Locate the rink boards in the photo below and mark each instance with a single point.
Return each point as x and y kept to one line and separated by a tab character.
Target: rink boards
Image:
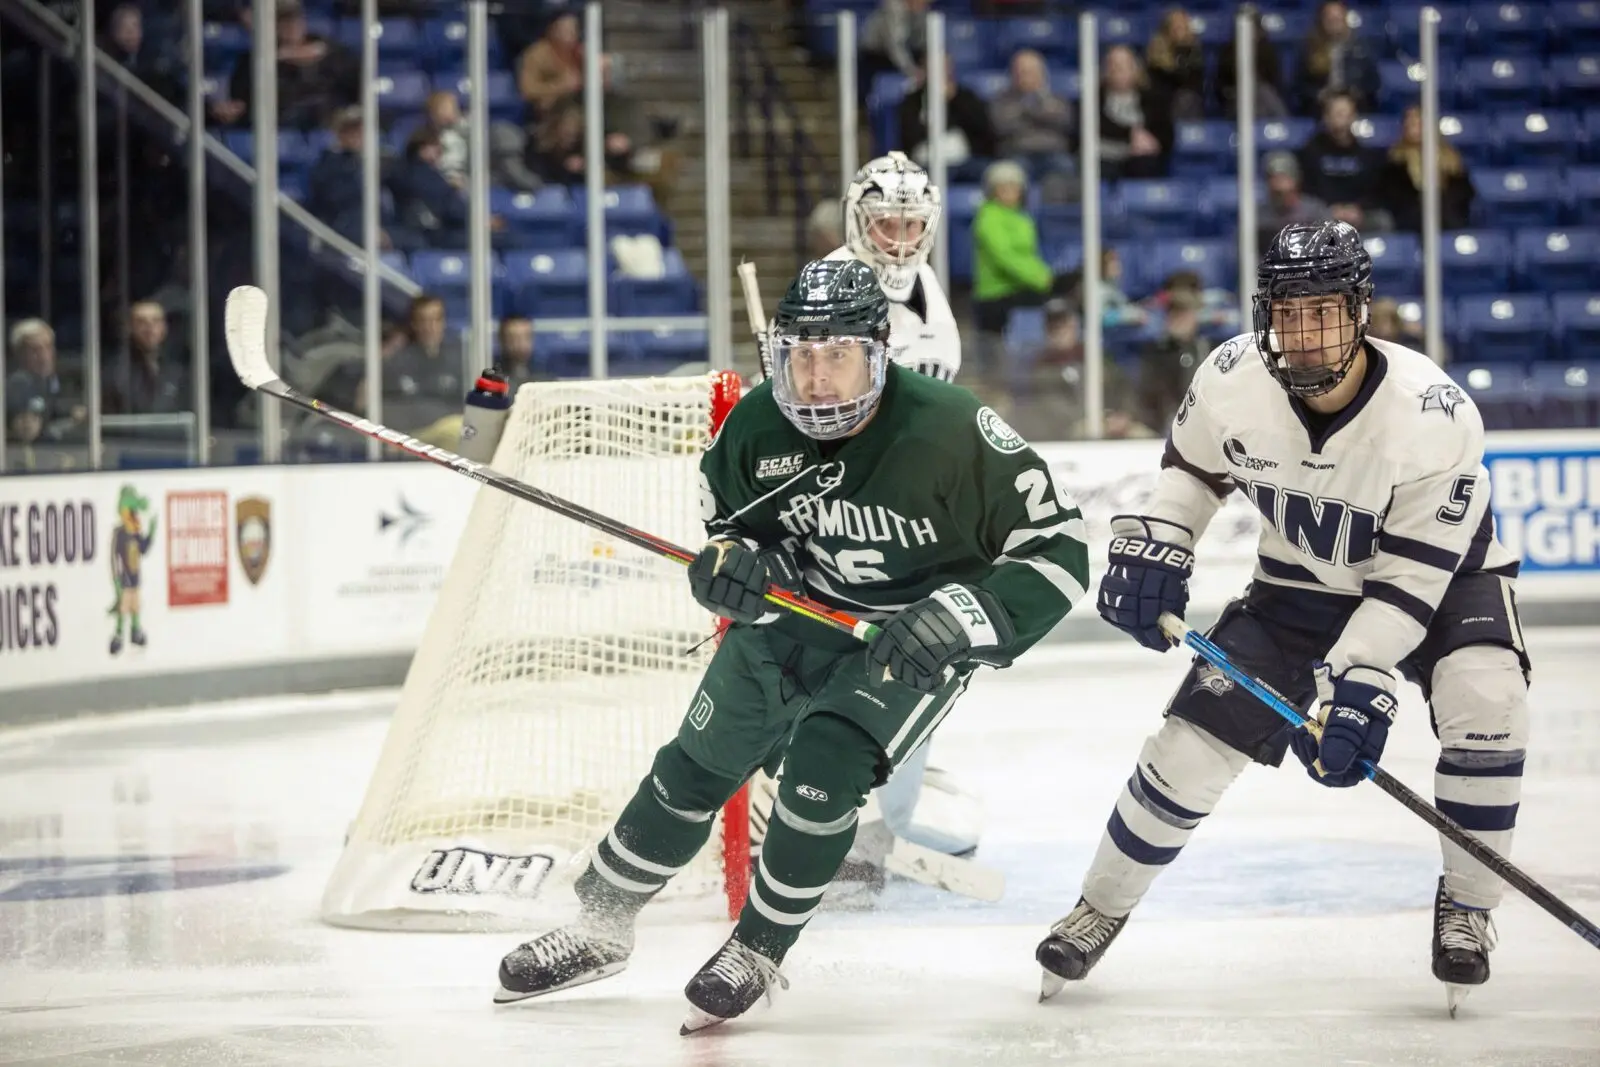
262	578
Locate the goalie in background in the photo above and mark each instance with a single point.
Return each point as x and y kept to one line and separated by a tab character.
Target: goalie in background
887	494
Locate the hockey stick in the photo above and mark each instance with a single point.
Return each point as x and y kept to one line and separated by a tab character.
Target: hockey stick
246	330
1182	634
755	313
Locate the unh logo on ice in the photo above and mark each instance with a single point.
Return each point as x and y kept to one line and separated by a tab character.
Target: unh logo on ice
468	872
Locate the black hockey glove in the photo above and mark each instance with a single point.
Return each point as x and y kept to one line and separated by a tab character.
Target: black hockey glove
730	578
1145	578
955	626
1356	710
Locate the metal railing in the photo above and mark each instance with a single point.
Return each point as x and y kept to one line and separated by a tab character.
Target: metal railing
791	145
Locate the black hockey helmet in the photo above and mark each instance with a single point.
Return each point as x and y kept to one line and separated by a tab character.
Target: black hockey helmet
830	337
1319	259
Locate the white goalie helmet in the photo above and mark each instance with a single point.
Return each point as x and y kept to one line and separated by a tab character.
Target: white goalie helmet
891	213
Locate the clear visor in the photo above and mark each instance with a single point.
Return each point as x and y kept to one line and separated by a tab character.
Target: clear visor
827	388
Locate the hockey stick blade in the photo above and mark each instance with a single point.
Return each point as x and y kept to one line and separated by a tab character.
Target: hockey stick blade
1180	633
953	874
246	317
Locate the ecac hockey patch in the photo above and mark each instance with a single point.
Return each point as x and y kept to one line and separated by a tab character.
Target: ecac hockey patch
1001	437
771	468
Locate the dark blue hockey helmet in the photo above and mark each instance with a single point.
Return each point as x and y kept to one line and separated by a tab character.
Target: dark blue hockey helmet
1312	303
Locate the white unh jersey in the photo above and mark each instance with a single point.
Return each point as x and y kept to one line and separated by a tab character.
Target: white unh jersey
1387	504
923	335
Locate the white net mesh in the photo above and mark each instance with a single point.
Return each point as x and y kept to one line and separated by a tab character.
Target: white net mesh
554	664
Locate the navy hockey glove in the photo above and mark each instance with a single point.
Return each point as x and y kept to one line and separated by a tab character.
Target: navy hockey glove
1356	709
731	577
954	626
1145	578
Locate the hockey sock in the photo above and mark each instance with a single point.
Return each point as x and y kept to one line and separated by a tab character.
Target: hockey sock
1180	776
1480	709
120	617
829	767
663	826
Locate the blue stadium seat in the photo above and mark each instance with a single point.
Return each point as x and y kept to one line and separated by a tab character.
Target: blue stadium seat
1130	30
1053	38
224	42
1169	207
966	42
1286	28
1219	196
1214	260
961	203
1582	195
1213	30
1517	197
505	102
448	276
1575	80
1550	260
664	349
1499	28
396	37
407	92
1500	81
1399	85
629	209
1500	393
1284	134
553	284
565	353
671	294
1201	149
443	47
1377	131
987	84
1589	146
1025	326
1396	262
1065	83
1475	261
1577	323
1472	135
1566	394
1575	27
295	152
1505	328
538	221
1403	26
1529	138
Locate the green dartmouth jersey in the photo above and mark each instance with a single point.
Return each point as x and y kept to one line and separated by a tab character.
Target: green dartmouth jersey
937	488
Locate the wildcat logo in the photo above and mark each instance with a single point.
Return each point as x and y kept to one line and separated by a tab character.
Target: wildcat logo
468	872
1234	450
1445	398
771	468
1228	355
1212	680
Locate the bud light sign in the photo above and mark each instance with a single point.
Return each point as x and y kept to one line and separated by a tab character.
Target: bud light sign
1547	505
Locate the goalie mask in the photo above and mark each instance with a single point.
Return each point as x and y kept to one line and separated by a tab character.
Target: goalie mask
891	212
1313	298
829	348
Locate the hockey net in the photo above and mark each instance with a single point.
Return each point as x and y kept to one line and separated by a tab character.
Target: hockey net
555	663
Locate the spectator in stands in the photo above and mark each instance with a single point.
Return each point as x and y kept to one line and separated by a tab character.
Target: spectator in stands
149	382
551	67
1269	92
316	77
1335	59
1115	307
443	116
1008	271
554	153
1034	127
1336	168
333	188
1168	362
125	42
422	387
38	411
968	137
632	151
894	38
825	229
1389	325
1177	65
1287	202
1399	183
430	210
1054	402
516	350
1135	125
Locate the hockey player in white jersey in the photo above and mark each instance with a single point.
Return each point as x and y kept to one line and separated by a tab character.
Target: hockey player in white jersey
1377	555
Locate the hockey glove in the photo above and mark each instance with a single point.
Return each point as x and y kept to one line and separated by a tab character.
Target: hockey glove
731	577
1355	709
954	626
1145	578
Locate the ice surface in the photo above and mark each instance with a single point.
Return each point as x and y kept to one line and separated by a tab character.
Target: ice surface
1294	930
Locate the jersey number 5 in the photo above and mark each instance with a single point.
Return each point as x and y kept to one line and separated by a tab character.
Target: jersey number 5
1460	500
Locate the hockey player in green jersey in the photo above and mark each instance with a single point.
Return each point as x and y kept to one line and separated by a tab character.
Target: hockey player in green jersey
887	494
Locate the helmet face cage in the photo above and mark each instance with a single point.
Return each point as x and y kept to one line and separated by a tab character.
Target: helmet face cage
1341	331
799	365
891	213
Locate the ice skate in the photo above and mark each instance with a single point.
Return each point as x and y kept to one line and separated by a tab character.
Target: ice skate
567	956
729	983
137	637
1074	946
1462	941
116	644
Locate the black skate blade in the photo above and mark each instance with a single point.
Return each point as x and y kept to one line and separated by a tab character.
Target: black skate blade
504	995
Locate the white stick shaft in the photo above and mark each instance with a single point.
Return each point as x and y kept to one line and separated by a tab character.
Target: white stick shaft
752	299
